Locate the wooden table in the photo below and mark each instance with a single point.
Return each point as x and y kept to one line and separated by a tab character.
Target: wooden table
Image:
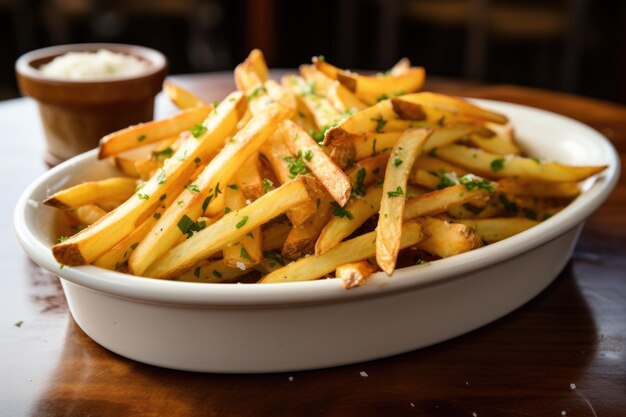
564	353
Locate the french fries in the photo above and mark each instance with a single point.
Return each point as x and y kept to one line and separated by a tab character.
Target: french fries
328	172
391	213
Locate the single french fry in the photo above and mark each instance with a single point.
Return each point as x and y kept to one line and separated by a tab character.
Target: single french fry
439	201
87	214
426	179
197	198
109	204
445	135
391	215
301	239
374	119
496	166
89	244
431	164
250	179
281	95
257	60
247	251
495	138
231	228
354	274
372	89
277	153
92	191
453	106
539	189
126	166
345	221
144	133
353	250
448	239
496	229
118	255
334	180
213	272
182	98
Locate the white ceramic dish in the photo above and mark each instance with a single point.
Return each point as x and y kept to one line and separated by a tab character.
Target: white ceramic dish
306	325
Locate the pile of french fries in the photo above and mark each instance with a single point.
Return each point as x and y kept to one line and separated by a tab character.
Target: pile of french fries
328	172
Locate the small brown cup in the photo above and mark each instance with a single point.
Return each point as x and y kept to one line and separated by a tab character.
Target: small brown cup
76	114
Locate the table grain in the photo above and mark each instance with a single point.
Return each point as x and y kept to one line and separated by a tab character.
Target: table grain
563	353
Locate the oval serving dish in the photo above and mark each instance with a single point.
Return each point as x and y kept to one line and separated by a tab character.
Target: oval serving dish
307	325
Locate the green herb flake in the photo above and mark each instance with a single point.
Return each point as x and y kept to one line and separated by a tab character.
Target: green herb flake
267	185
227	210
62	239
380	123
233	186
180	203
19	323
193	188
163	197
497	164
157	215
537	160
444	180
396	193
242	222
196	272
198	130
419	261
472	182
161	176
381	98
255	93
141	138
433	153
244	253
397	162
217	273
162	154
134	245
185	224
197	160
359	189
341	212
143	196
320	134
308	155
296	166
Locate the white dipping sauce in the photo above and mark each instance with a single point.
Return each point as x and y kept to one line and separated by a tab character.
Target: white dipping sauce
104	64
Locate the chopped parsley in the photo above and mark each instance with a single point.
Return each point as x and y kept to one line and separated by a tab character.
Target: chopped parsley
193	188
497	164
267	185
296	166
157	216
380	123
320	134
227	210
242	222
197	160
255	93
62	239
198	130
419	261
217	273
163	154
397	162
381	98
433	153
233	186
359	188
374	151
396	193
472	182
163	197
244	253
134	245
141	138
341	212
188	226
308	155
444	180
19	323
143	196
537	160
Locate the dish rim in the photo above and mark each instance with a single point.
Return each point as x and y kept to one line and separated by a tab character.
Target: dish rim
152	290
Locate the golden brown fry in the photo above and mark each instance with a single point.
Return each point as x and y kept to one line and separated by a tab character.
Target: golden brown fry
496	229
390	219
91	192
126	166
182	98
539	189
436	165
87	214
454	106
354	274
274	235
201	196
448	239
231	228
496	166
144	133
117	256
353	250
321	166
496	139
250	179
438	201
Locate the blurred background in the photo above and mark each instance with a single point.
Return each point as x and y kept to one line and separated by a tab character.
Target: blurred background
577	46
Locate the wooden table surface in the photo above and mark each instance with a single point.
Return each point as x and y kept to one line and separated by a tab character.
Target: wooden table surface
563	353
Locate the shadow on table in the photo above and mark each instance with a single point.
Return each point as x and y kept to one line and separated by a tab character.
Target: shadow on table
507	368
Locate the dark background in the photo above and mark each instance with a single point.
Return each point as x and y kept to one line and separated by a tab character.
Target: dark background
576	45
